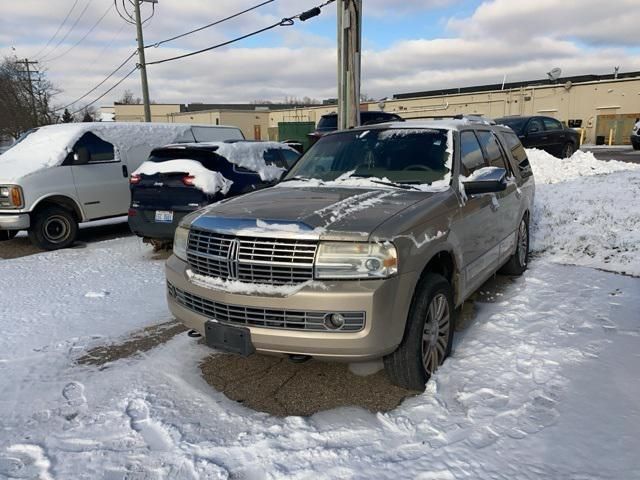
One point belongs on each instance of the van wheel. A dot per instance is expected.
(53, 228)
(7, 235)
(517, 263)
(428, 336)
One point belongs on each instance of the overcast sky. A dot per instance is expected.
(409, 45)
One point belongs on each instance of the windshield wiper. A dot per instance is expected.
(292, 179)
(403, 186)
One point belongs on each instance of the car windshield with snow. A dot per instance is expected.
(364, 251)
(178, 179)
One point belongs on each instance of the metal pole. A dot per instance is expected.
(142, 63)
(342, 70)
(33, 98)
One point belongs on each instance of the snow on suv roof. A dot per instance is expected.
(445, 124)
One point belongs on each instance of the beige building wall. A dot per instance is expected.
(586, 101)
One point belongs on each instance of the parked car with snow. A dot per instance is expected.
(635, 136)
(58, 176)
(329, 122)
(363, 251)
(545, 133)
(178, 179)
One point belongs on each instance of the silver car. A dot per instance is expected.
(364, 251)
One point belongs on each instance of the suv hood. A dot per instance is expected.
(313, 212)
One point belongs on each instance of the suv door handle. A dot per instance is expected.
(125, 171)
(545, 137)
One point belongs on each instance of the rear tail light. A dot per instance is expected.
(189, 180)
(132, 212)
(134, 179)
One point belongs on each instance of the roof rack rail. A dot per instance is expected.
(459, 116)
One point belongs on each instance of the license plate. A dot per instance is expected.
(229, 339)
(164, 216)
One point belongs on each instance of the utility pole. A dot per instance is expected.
(349, 50)
(34, 110)
(142, 61)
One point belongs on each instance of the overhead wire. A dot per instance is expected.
(68, 31)
(209, 25)
(58, 29)
(285, 22)
(101, 83)
(83, 37)
(108, 91)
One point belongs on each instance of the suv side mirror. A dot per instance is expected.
(81, 156)
(486, 180)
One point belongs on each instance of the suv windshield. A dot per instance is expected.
(399, 155)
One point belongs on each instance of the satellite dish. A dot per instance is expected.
(568, 85)
(554, 74)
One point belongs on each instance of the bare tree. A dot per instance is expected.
(128, 98)
(67, 117)
(24, 101)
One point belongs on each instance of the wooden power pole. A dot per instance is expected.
(27, 65)
(142, 61)
(349, 49)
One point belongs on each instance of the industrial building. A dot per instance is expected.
(602, 105)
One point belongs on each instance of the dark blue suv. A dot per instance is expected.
(179, 179)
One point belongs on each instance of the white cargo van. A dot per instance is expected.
(58, 176)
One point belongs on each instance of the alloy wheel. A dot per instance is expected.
(435, 335)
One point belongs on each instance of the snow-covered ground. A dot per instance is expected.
(543, 384)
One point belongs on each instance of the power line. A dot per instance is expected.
(217, 22)
(101, 83)
(108, 91)
(68, 31)
(285, 22)
(59, 28)
(83, 37)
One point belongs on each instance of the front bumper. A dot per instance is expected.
(384, 302)
(143, 224)
(20, 221)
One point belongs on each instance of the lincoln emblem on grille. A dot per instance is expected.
(232, 258)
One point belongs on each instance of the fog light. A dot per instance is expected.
(373, 264)
(334, 321)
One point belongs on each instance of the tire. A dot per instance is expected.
(7, 235)
(518, 262)
(422, 345)
(53, 228)
(567, 150)
(636, 146)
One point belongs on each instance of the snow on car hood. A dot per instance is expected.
(206, 180)
(312, 210)
(48, 146)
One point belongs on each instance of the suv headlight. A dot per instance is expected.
(11, 196)
(341, 260)
(180, 241)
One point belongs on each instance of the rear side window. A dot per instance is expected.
(470, 153)
(99, 150)
(551, 124)
(272, 157)
(495, 158)
(213, 134)
(328, 121)
(517, 150)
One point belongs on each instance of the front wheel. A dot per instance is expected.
(568, 150)
(428, 336)
(53, 228)
(517, 263)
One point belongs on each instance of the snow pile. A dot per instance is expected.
(244, 288)
(206, 180)
(549, 169)
(48, 146)
(250, 155)
(587, 211)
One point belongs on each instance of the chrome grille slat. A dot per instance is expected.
(264, 317)
(270, 261)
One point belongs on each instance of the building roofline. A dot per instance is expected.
(512, 85)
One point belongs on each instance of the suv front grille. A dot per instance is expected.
(274, 261)
(264, 317)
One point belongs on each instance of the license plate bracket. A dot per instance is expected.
(164, 216)
(229, 339)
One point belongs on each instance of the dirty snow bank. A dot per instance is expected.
(587, 211)
(48, 146)
(206, 180)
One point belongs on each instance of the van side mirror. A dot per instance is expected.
(81, 156)
(486, 180)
